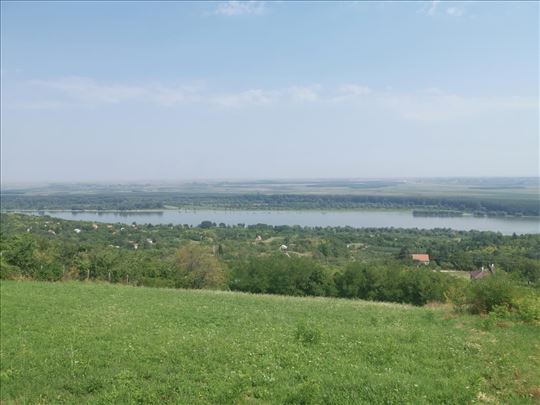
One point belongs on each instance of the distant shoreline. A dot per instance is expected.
(202, 208)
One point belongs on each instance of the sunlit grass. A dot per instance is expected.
(101, 343)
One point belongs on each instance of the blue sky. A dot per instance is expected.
(174, 91)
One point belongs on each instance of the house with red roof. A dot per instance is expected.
(420, 257)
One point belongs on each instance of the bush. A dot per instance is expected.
(485, 295)
(197, 268)
(527, 307)
(393, 283)
(488, 322)
(457, 296)
(48, 272)
(20, 252)
(283, 275)
(8, 271)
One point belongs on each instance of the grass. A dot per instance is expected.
(102, 343)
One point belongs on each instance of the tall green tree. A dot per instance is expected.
(197, 268)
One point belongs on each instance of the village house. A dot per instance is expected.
(483, 272)
(420, 257)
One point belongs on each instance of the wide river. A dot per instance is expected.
(357, 219)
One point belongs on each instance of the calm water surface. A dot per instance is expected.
(357, 219)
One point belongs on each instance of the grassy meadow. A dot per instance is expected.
(77, 342)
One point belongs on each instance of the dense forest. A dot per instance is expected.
(345, 262)
(136, 200)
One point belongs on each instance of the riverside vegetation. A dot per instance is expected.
(372, 264)
(426, 205)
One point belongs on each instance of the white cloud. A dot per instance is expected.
(248, 97)
(439, 106)
(432, 91)
(355, 89)
(429, 8)
(424, 105)
(85, 89)
(89, 91)
(432, 10)
(304, 93)
(455, 11)
(350, 91)
(236, 8)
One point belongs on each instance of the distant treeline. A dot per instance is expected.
(158, 200)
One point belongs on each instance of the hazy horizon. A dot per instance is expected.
(243, 91)
(158, 182)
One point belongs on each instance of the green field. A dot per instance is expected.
(100, 343)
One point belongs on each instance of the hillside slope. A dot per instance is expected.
(101, 343)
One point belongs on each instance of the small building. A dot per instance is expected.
(420, 257)
(483, 272)
(258, 238)
(77, 230)
(94, 226)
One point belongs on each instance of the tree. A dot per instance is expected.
(82, 263)
(280, 274)
(404, 253)
(196, 268)
(20, 252)
(486, 294)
